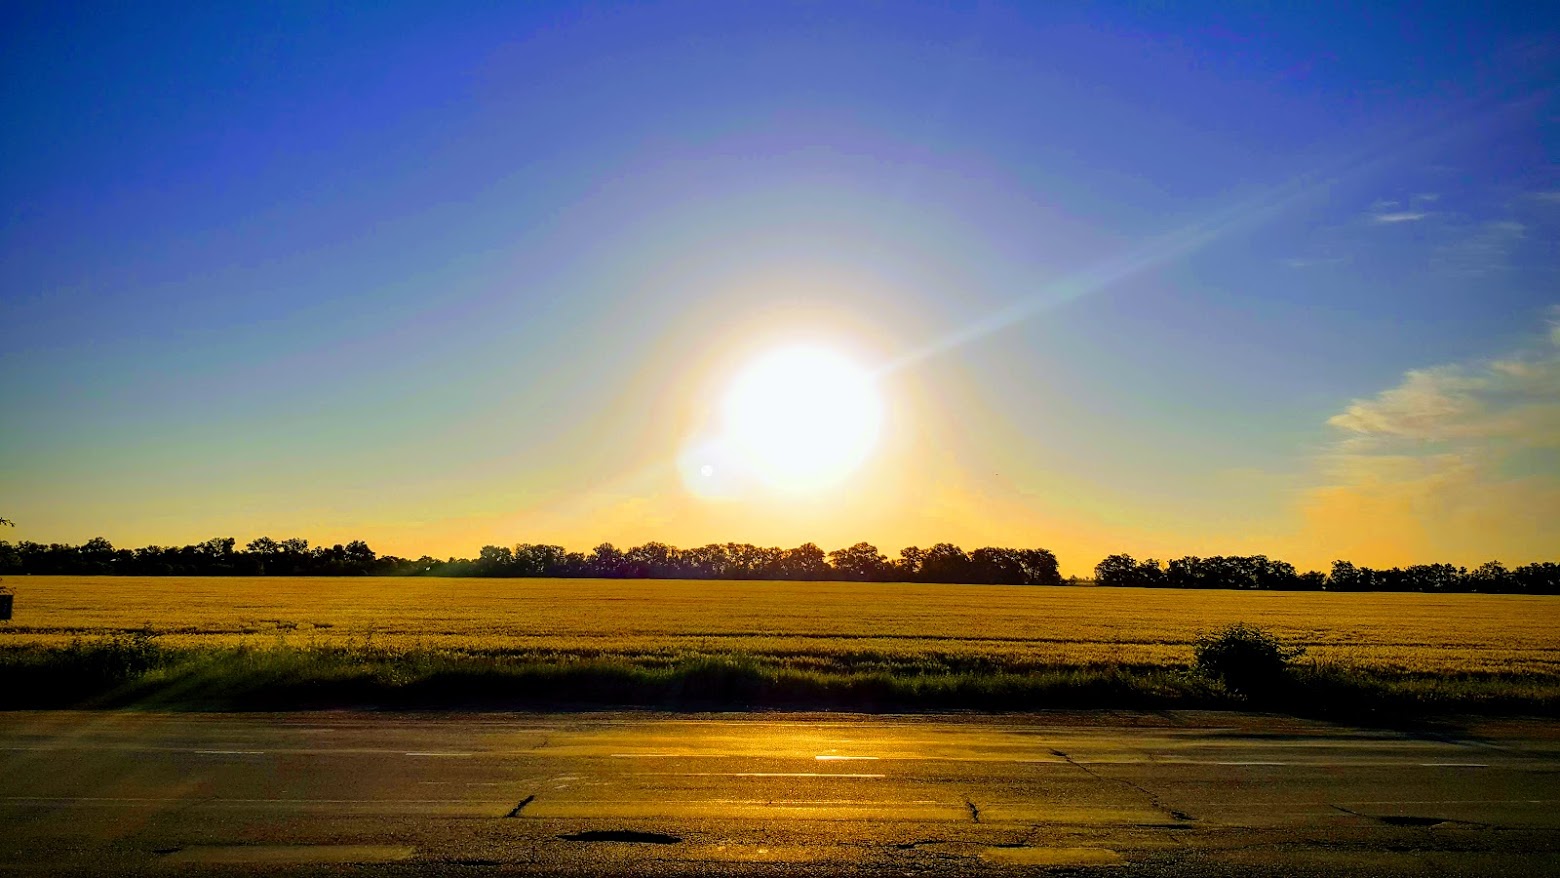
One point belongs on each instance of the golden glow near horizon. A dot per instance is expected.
(796, 420)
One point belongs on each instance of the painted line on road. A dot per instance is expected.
(1165, 760)
(1294, 804)
(278, 751)
(187, 800)
(275, 855)
(886, 804)
(1245, 763)
(1339, 763)
(750, 774)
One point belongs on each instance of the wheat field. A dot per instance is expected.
(804, 623)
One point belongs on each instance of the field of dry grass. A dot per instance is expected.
(896, 627)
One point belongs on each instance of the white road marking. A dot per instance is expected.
(117, 800)
(886, 803)
(1364, 760)
(750, 774)
(1244, 763)
(136, 800)
(291, 854)
(1382, 802)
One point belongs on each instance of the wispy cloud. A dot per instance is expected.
(1515, 399)
(1422, 469)
(1399, 216)
(1300, 263)
(1403, 210)
(1482, 248)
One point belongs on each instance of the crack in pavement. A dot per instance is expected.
(629, 836)
(1350, 812)
(912, 845)
(916, 847)
(1153, 797)
(515, 812)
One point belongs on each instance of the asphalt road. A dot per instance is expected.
(770, 794)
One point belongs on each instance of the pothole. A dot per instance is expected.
(623, 835)
(1406, 819)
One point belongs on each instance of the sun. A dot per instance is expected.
(802, 418)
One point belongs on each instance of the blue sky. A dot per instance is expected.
(444, 278)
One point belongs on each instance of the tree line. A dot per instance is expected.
(1261, 572)
(265, 556)
(863, 562)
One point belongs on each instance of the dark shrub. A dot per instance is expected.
(118, 658)
(1246, 659)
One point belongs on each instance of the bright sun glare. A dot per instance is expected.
(802, 418)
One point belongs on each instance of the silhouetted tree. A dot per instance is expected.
(359, 557)
(1538, 578)
(495, 561)
(747, 561)
(1040, 567)
(945, 562)
(908, 567)
(806, 561)
(1124, 570)
(707, 562)
(652, 559)
(607, 562)
(861, 562)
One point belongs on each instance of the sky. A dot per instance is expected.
(1165, 279)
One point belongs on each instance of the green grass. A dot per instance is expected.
(133, 670)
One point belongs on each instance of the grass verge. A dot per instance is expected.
(133, 671)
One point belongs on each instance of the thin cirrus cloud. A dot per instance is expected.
(1456, 462)
(1399, 216)
(1301, 263)
(1481, 249)
(1388, 212)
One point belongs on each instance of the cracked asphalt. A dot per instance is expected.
(774, 794)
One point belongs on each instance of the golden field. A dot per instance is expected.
(861, 624)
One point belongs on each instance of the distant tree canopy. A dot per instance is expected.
(265, 556)
(863, 562)
(1259, 572)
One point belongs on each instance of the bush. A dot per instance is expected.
(1246, 659)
